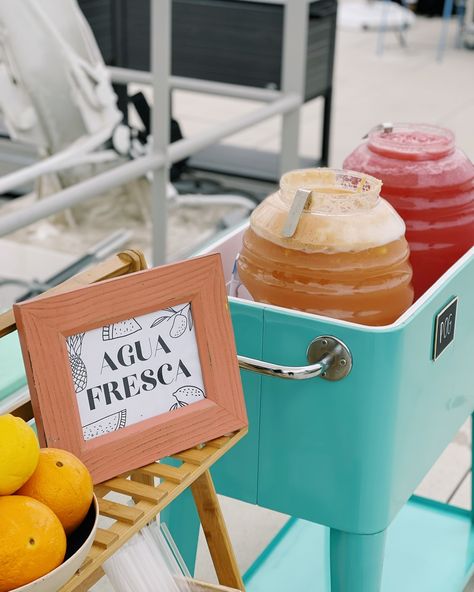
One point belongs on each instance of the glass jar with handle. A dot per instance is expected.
(430, 182)
(346, 258)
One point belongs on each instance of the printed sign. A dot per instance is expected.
(444, 328)
(135, 369)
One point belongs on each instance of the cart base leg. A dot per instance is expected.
(356, 561)
(472, 465)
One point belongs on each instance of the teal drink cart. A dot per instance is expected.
(349, 453)
(343, 457)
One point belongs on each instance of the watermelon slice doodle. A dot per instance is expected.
(107, 424)
(120, 329)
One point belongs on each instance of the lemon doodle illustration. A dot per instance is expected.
(186, 395)
(182, 320)
(179, 325)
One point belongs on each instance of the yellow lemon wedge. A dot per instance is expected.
(19, 453)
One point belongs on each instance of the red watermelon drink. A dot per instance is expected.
(430, 183)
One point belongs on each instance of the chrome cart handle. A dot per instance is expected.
(328, 357)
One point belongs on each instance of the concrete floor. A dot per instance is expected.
(404, 84)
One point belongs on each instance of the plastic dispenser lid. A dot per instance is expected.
(344, 212)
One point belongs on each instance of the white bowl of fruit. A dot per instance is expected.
(48, 511)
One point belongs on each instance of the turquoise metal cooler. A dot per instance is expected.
(348, 454)
(344, 457)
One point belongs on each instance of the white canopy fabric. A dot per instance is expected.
(54, 87)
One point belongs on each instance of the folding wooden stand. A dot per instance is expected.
(150, 498)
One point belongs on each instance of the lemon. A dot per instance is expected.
(19, 453)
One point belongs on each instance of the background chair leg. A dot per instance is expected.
(443, 38)
(216, 533)
(356, 561)
(382, 28)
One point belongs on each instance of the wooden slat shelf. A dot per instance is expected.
(150, 500)
(136, 490)
(127, 514)
(172, 474)
(203, 587)
(104, 538)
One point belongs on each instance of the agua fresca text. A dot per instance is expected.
(161, 372)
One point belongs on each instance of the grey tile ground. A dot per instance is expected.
(462, 495)
(404, 84)
(450, 470)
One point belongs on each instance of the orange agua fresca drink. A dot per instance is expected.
(347, 258)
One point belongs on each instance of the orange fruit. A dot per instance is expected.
(19, 451)
(63, 483)
(32, 541)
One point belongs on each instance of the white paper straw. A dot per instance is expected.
(145, 564)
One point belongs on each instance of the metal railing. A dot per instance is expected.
(286, 103)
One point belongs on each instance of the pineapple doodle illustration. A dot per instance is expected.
(78, 368)
(186, 395)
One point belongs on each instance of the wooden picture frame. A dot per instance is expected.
(48, 326)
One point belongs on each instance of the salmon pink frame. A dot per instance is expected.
(45, 323)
